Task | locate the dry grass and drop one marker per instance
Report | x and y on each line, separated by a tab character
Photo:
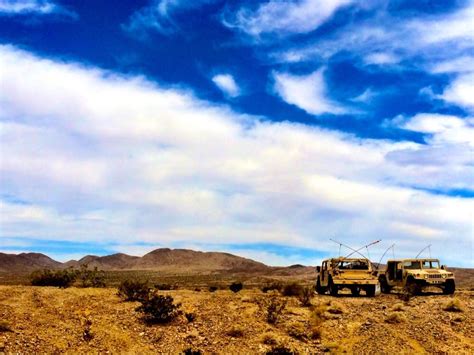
394	318
398	307
454	305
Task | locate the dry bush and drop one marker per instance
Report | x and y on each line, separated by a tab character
292	289
4	327
280	350
394	318
190	316
305	296
236	332
274	309
398	307
236	286
316	332
336	308
269	339
159	309
454	305
91	277
297	330
276	286
133	290
163	287
191	351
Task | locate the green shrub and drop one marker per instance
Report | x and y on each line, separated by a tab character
133	290
59	278
236	286
159	309
91	277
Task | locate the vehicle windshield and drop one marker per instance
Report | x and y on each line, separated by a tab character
430	264
412	265
353	265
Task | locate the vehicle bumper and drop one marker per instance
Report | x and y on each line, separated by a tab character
356	282
433	282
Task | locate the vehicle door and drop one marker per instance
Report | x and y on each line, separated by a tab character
324	273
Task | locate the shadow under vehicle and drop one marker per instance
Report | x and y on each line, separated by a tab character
355	274
414	275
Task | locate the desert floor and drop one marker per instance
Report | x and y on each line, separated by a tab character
51	320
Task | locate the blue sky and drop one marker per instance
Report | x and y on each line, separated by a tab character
258	128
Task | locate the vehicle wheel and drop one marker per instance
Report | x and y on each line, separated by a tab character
320	289
384	287
449	287
333	290
355	291
370	291
412	287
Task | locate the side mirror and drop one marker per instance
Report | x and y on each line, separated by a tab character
443	267
318	268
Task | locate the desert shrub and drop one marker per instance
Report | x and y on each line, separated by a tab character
276	286
274	309
268	339
133	290
297	331
453	305
315	332
159	309
163	287
292	289
87	333
59	278
236	286
236	332
394	318
212	288
398	307
336	308
190	316
4	327
91	277
305	296
280	350
191	351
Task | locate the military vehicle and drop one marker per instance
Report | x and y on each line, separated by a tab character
416	274
355	274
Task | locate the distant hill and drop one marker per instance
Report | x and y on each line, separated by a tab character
26	262
164	259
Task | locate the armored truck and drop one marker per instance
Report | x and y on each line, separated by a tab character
416	274
355	274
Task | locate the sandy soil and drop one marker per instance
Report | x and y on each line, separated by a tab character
51	320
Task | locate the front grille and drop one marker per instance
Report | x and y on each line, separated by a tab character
435	276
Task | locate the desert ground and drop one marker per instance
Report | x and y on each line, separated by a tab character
72	320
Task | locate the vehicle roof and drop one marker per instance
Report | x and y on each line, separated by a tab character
413	259
341	258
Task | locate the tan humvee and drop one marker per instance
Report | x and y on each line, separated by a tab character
416	274
352	273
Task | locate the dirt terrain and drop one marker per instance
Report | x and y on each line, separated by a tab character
52	320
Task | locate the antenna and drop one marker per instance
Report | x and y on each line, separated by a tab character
422	250
390	247
355	250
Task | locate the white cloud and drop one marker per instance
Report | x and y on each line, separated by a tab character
41	7
381	58
105	158
464	64
308	92
284	17
461	91
227	84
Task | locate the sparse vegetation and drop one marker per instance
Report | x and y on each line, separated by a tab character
280	350
91	277
292	289
297	331
394	318
236	332
159	309
133	290
4	327
163	287
191	351
276	286
269	339
274	309
305	296
454	305
59	278
398	307
236	286
336	308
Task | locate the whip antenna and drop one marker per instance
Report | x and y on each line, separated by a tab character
390	247
422	250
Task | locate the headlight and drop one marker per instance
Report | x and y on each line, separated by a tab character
444	276
426	276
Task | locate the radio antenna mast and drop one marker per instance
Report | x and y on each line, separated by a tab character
390	247
422	250
354	250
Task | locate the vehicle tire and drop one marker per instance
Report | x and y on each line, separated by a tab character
333	289
355	291
384	287
370	291
320	289
449	287
412	287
